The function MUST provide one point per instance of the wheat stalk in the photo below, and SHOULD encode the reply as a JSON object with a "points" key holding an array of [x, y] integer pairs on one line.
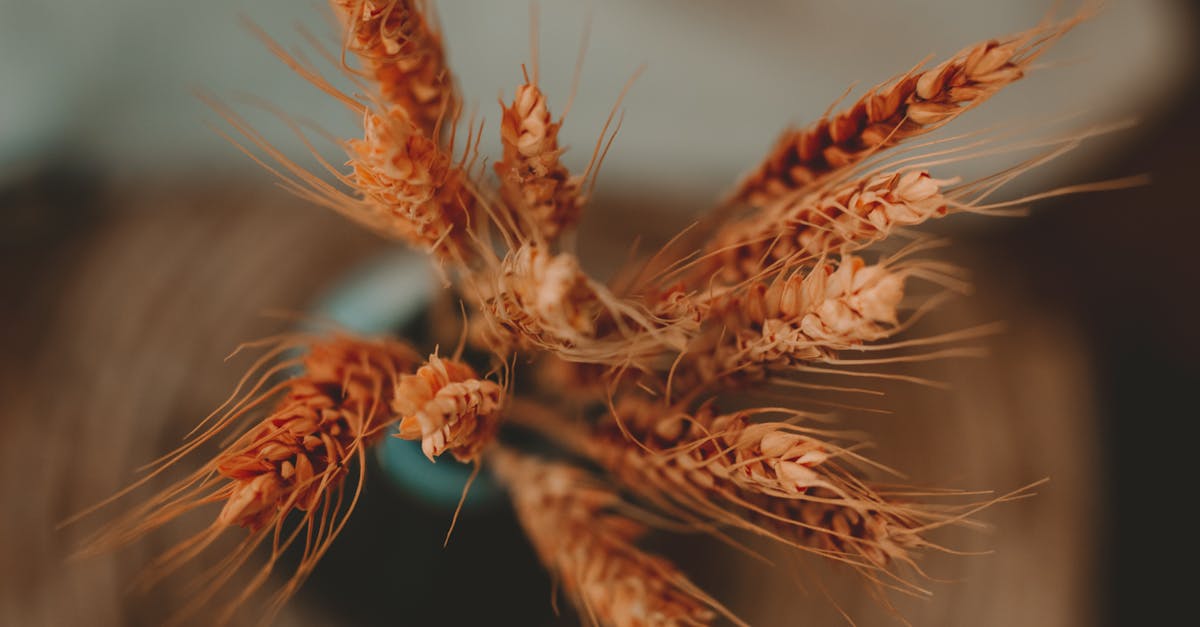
{"points": [[810, 315], [794, 232], [421, 193]]}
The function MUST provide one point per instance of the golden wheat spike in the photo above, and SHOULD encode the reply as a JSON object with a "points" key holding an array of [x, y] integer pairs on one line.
{"points": [[915, 103], [401, 50], [447, 407]]}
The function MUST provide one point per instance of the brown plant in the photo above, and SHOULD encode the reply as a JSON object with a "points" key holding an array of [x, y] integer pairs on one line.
{"points": [[774, 291], [772, 478], [449, 408], [407, 177], [915, 103], [548, 199], [296, 459], [794, 232], [402, 53]]}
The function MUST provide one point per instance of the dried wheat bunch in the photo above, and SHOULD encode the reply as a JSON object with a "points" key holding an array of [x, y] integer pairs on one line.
{"points": [[779, 289]]}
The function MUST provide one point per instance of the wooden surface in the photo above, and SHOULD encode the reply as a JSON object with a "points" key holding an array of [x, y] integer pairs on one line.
{"points": [[120, 316]]}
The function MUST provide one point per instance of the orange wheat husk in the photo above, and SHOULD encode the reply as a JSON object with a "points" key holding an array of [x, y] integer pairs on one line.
{"points": [[295, 460], [781, 480], [853, 215], [915, 103], [537, 300], [401, 51], [588, 546], [424, 196], [448, 407], [812, 314], [404, 181], [546, 198]]}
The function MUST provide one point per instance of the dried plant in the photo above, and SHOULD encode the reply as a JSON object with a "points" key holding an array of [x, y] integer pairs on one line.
{"points": [[780, 288], [412, 183], [914, 103], [811, 314], [582, 538], [533, 180], [449, 408], [401, 53], [793, 233], [296, 459], [790, 483]]}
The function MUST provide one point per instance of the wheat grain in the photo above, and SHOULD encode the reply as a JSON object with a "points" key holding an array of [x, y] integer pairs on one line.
{"points": [[402, 52], [449, 408], [915, 103], [810, 315], [403, 183], [423, 196], [853, 215], [548, 199]]}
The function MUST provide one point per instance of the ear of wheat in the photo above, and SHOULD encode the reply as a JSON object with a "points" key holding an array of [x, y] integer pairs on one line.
{"points": [[912, 104], [533, 181], [779, 290], [295, 460]]}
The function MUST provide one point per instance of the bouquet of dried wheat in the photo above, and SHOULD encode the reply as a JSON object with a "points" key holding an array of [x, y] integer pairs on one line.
{"points": [[656, 374]]}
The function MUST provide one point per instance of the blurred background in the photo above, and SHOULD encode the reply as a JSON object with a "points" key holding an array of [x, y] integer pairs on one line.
{"points": [[137, 248]]}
